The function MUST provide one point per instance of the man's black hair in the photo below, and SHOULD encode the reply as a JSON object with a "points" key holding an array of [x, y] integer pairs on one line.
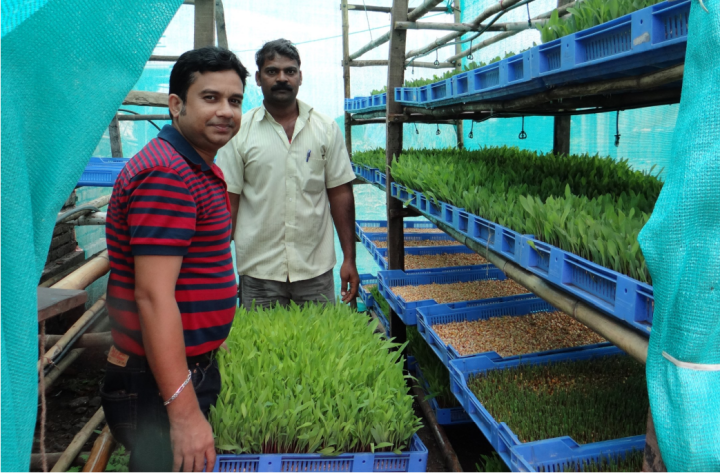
{"points": [[207, 59], [280, 47]]}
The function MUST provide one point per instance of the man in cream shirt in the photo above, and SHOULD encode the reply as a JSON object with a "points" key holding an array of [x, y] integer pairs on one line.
{"points": [[289, 178]]}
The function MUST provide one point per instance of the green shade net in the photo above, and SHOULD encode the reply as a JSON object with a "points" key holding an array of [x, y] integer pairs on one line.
{"points": [[67, 66], [681, 243]]}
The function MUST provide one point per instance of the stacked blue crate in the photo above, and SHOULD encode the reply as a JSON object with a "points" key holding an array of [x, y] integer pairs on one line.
{"points": [[407, 311], [101, 172], [542, 455], [515, 306], [616, 294], [413, 459], [645, 41]]}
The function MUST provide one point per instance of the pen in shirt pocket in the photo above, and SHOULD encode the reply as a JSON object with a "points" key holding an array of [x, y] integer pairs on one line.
{"points": [[308, 156]]}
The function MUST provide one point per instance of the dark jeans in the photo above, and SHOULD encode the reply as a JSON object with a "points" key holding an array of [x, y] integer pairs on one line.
{"points": [[135, 413]]}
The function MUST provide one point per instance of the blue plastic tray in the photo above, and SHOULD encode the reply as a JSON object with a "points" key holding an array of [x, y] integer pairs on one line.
{"points": [[519, 305], [383, 223], [366, 104], [407, 311], [542, 453], [644, 41], [382, 318], [617, 294], [415, 459], [380, 179], [380, 254], [365, 295], [445, 416], [620, 296], [102, 172]]}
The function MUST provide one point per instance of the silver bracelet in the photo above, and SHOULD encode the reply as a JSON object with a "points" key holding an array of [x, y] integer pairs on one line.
{"points": [[180, 389]]}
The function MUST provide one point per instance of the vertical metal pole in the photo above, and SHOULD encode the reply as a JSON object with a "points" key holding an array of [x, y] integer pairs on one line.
{"points": [[204, 23], [393, 148], [458, 50], [346, 71], [220, 24], [115, 140]]}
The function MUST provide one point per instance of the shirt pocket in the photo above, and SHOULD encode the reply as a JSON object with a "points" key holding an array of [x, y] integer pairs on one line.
{"points": [[314, 176]]}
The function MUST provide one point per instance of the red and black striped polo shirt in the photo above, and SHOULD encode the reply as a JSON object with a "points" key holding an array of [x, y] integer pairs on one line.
{"points": [[169, 201]]}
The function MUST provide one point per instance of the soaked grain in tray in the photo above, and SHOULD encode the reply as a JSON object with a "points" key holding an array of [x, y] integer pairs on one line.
{"points": [[445, 260], [509, 335], [407, 230], [459, 291], [409, 243]]}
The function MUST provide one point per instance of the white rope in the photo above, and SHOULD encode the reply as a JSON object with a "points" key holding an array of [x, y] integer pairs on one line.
{"points": [[368, 21]]}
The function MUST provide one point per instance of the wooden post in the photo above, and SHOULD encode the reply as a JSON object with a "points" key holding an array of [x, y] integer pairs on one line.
{"points": [[652, 458], [346, 71], [561, 132], [115, 140], [561, 135], [204, 23], [393, 148], [458, 50], [220, 24]]}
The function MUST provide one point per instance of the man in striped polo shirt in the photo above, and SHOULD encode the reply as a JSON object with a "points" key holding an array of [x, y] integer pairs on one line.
{"points": [[172, 292]]}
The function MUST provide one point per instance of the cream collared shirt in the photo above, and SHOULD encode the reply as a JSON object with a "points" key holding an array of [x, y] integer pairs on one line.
{"points": [[284, 227]]}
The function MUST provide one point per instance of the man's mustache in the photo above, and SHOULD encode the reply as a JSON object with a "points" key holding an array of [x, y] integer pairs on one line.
{"points": [[281, 87]]}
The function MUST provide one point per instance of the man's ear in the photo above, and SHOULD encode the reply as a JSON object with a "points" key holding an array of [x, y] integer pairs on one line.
{"points": [[300, 76], [257, 78], [175, 104]]}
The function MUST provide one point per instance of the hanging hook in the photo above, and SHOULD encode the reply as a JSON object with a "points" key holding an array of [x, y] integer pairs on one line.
{"points": [[522, 134], [437, 63], [412, 63], [438, 130], [617, 129], [472, 125], [703, 6], [470, 55], [416, 130]]}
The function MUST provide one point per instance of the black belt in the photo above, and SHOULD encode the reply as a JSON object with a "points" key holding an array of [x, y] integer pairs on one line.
{"points": [[140, 362]]}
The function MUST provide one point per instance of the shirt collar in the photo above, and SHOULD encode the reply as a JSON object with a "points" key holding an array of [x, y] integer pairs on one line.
{"points": [[303, 108], [181, 145]]}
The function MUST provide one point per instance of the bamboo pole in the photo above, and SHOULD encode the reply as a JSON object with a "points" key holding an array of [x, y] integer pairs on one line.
{"points": [[415, 14], [115, 140], [465, 27], [77, 443], [60, 367], [204, 33], [625, 338], [563, 10], [419, 64], [52, 458], [376, 9], [346, 72], [95, 218], [86, 340], [460, 139], [147, 99], [101, 451], [80, 324], [638, 83], [220, 24], [86, 274], [393, 149], [138, 118], [159, 58], [451, 459], [491, 10]]}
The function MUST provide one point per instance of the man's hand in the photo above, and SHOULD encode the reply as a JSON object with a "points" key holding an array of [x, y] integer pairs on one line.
{"points": [[349, 281], [192, 441]]}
